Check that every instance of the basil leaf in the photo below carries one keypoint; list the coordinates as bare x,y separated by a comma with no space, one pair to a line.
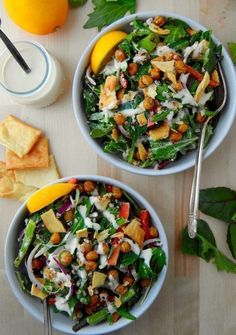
158,260
218,202
231,239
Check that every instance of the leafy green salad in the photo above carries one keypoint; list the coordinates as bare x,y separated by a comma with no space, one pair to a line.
93,253
149,101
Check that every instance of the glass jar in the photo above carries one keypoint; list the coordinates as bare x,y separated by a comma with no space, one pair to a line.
42,86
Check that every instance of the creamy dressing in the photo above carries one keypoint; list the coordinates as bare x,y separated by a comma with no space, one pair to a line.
100,250
62,278
39,88
205,97
114,67
109,216
146,255
151,90
129,96
163,50
110,307
72,244
82,274
103,261
87,221
186,97
62,305
131,112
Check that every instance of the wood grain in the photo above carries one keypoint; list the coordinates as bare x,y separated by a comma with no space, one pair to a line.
195,299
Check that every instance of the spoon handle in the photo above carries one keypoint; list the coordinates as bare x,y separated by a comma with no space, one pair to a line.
47,318
194,197
15,53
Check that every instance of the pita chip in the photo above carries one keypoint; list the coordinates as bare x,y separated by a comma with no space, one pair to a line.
18,136
36,158
38,177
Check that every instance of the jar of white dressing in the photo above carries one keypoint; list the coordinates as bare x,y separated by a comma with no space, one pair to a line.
39,88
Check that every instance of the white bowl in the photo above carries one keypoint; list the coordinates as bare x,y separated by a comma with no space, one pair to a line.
187,161
59,321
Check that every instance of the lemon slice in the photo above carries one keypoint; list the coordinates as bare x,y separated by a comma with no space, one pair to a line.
104,48
45,196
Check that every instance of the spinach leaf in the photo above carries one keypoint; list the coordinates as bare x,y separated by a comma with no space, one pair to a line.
106,12
179,44
144,271
102,130
177,31
127,47
161,116
218,202
128,259
115,147
162,91
149,42
165,150
205,247
90,100
131,104
142,70
231,239
158,260
212,56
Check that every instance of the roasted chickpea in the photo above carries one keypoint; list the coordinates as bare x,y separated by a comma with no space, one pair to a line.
200,118
105,247
180,67
145,282
183,127
90,266
116,192
148,103
153,232
128,280
89,186
177,86
86,247
155,74
55,238
145,81
120,55
125,247
115,134
159,21
69,215
92,256
119,119
113,273
175,136
65,258
121,289
115,317
120,94
132,68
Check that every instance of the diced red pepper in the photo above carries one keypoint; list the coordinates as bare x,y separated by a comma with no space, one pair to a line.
109,188
52,300
150,124
145,222
115,241
124,210
199,76
113,259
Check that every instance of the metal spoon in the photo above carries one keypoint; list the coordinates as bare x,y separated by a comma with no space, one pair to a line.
47,318
194,197
15,53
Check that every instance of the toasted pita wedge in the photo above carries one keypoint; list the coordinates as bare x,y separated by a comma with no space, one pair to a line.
36,158
17,135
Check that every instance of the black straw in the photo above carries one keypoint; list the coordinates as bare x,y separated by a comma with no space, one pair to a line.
15,53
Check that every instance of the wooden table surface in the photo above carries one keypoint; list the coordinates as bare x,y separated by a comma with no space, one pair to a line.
195,299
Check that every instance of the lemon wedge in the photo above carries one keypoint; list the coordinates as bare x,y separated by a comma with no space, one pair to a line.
104,48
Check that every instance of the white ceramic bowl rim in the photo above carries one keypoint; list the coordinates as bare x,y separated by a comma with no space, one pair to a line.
188,160
61,322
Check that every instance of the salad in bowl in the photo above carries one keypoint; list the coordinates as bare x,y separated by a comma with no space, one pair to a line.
92,250
145,104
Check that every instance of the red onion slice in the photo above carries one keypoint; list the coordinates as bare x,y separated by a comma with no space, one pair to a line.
155,241
30,272
124,132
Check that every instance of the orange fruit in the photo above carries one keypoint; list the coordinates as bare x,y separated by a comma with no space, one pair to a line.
45,196
37,16
104,48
